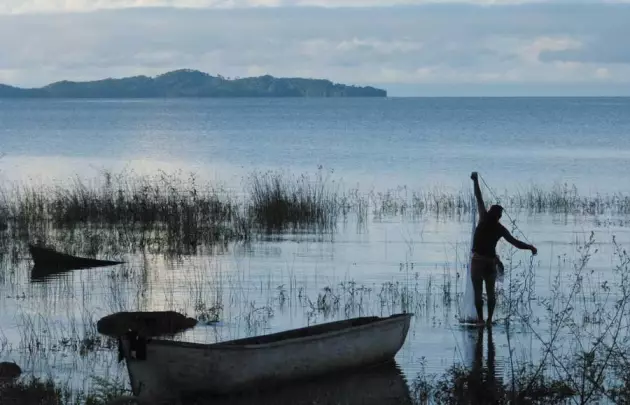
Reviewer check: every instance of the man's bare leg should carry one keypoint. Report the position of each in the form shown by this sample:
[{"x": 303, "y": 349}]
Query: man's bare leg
[
  {"x": 490, "y": 284},
  {"x": 477, "y": 282}
]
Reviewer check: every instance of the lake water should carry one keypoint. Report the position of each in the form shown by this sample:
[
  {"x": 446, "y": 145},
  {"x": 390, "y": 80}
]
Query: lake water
[{"x": 370, "y": 144}]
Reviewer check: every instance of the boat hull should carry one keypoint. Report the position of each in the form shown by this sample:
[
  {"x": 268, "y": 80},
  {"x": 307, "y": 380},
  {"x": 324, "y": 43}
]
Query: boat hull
[{"x": 175, "y": 369}]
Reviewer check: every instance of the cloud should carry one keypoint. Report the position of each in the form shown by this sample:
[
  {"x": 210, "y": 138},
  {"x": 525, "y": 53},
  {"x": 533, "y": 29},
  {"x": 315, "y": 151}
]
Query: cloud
[
  {"x": 35, "y": 6},
  {"x": 39, "y": 6},
  {"x": 432, "y": 44},
  {"x": 603, "y": 49}
]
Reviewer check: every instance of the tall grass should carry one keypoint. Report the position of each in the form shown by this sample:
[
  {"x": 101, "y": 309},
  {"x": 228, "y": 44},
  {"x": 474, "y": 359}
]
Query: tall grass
[
  {"x": 176, "y": 215},
  {"x": 167, "y": 213},
  {"x": 559, "y": 199},
  {"x": 271, "y": 201},
  {"x": 279, "y": 203},
  {"x": 160, "y": 203}
]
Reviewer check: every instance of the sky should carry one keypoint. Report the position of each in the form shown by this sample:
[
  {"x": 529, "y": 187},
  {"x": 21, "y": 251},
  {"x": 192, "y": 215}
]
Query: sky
[{"x": 408, "y": 47}]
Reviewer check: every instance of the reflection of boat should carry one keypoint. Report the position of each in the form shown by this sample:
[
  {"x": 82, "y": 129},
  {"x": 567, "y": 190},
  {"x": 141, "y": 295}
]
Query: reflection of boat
[
  {"x": 168, "y": 369},
  {"x": 44, "y": 274},
  {"x": 47, "y": 259},
  {"x": 382, "y": 384}
]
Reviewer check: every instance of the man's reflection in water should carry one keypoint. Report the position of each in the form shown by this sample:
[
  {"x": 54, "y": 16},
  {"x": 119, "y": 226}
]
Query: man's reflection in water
[{"x": 482, "y": 381}]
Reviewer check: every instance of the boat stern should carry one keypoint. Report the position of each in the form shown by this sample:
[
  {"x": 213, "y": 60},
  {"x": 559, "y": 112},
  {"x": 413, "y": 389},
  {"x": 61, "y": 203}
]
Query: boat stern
[{"x": 144, "y": 378}]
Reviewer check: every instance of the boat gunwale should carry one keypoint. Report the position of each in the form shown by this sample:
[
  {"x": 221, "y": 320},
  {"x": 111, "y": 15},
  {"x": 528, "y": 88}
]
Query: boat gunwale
[{"x": 227, "y": 345}]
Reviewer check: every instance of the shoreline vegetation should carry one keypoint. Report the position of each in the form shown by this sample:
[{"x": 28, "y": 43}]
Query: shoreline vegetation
[
  {"x": 192, "y": 84},
  {"x": 187, "y": 213},
  {"x": 584, "y": 346},
  {"x": 126, "y": 213}
]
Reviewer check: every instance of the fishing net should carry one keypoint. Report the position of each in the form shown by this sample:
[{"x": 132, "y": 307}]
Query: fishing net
[{"x": 467, "y": 312}]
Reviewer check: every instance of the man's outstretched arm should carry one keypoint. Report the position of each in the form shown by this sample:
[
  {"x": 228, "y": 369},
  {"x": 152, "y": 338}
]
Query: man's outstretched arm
[
  {"x": 517, "y": 243},
  {"x": 481, "y": 207}
]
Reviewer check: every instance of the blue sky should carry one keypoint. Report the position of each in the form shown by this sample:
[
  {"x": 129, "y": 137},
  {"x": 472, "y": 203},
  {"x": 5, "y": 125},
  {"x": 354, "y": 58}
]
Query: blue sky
[{"x": 409, "y": 47}]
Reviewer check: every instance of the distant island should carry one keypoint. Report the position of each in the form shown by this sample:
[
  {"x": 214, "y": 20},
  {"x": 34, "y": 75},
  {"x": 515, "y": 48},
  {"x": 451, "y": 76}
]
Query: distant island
[{"x": 192, "y": 83}]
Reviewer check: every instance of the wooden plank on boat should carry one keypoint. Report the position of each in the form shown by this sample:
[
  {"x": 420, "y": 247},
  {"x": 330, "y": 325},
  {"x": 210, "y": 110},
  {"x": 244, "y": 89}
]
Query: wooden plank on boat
[
  {"x": 47, "y": 258},
  {"x": 166, "y": 369},
  {"x": 147, "y": 324},
  {"x": 9, "y": 371}
]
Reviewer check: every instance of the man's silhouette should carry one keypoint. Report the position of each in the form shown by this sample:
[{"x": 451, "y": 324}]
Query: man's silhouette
[{"x": 484, "y": 261}]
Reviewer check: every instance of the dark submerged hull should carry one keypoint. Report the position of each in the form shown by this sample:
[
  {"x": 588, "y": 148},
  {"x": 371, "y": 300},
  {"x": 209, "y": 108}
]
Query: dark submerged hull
[{"x": 49, "y": 260}]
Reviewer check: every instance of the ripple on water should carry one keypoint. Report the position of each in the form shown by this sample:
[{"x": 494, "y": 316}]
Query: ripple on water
[{"x": 48, "y": 325}]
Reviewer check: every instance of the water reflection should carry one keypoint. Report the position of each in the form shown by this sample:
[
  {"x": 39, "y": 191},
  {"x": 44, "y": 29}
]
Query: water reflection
[
  {"x": 42, "y": 274},
  {"x": 483, "y": 380},
  {"x": 260, "y": 287},
  {"x": 379, "y": 385}
]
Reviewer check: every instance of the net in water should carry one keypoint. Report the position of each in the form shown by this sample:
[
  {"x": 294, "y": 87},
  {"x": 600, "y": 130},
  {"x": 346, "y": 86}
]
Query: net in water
[{"x": 467, "y": 312}]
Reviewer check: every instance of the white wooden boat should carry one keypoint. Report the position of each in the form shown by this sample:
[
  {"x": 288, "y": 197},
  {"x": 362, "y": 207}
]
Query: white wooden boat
[{"x": 165, "y": 369}]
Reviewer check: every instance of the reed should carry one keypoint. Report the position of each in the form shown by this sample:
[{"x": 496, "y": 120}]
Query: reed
[
  {"x": 279, "y": 203},
  {"x": 189, "y": 219},
  {"x": 163, "y": 205},
  {"x": 46, "y": 391},
  {"x": 178, "y": 210},
  {"x": 34, "y": 391},
  {"x": 459, "y": 385}
]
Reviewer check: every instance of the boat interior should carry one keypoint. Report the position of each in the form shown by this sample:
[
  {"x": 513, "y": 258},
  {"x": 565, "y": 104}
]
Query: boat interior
[{"x": 294, "y": 333}]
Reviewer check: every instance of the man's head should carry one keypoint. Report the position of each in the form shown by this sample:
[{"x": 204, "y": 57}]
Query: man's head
[{"x": 495, "y": 212}]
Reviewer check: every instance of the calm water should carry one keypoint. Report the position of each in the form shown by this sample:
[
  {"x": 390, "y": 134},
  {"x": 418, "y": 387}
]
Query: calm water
[
  {"x": 373, "y": 144},
  {"x": 414, "y": 142}
]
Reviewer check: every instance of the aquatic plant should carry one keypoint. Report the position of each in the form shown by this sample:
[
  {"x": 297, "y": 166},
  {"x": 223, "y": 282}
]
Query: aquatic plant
[
  {"x": 177, "y": 215},
  {"x": 585, "y": 348},
  {"x": 280, "y": 202}
]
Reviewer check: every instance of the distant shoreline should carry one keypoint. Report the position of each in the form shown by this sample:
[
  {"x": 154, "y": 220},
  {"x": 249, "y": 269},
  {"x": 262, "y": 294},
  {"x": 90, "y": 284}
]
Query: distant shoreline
[{"x": 185, "y": 83}]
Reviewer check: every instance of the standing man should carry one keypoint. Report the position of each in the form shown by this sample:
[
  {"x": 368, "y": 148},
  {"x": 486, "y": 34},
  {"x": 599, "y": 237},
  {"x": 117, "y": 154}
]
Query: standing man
[{"x": 484, "y": 261}]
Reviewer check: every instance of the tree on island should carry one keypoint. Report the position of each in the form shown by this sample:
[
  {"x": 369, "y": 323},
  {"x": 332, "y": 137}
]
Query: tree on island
[{"x": 192, "y": 83}]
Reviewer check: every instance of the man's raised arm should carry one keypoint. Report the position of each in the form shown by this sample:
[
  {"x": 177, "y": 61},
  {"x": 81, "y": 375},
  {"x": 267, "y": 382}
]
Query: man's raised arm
[
  {"x": 481, "y": 208},
  {"x": 517, "y": 243}
]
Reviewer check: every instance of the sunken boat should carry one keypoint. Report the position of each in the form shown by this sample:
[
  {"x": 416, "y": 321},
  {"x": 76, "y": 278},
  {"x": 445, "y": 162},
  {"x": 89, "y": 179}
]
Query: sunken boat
[{"x": 46, "y": 258}]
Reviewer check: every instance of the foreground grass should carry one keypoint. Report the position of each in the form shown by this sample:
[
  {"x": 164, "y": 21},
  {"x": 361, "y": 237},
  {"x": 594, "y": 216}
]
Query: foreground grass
[
  {"x": 35, "y": 391},
  {"x": 459, "y": 385}
]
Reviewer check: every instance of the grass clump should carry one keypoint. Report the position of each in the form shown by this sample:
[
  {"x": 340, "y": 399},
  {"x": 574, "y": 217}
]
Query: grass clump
[
  {"x": 33, "y": 392},
  {"x": 141, "y": 201},
  {"x": 167, "y": 213},
  {"x": 460, "y": 385},
  {"x": 278, "y": 203},
  {"x": 172, "y": 213},
  {"x": 164, "y": 211}
]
